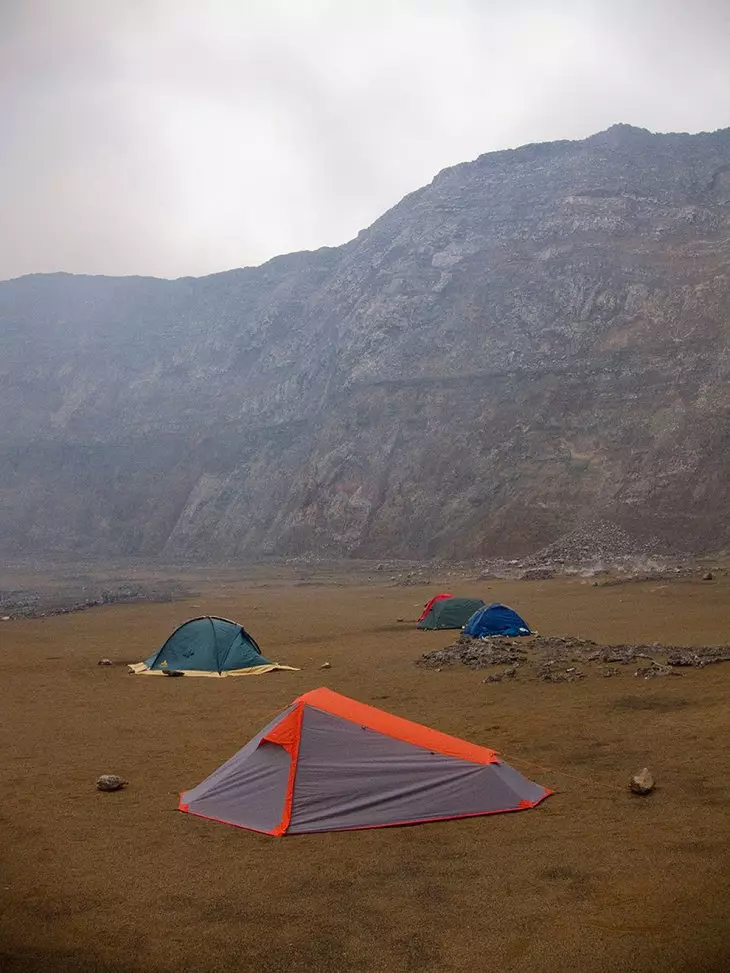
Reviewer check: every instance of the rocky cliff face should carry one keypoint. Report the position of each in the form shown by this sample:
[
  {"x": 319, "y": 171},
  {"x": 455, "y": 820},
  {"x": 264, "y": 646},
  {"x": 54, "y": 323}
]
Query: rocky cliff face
[{"x": 536, "y": 338}]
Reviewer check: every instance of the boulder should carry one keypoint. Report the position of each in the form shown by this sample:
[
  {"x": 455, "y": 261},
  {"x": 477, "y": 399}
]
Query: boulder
[
  {"x": 642, "y": 783},
  {"x": 110, "y": 782}
]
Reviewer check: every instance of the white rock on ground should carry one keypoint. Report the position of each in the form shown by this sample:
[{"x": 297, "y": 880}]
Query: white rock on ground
[
  {"x": 110, "y": 782},
  {"x": 642, "y": 783}
]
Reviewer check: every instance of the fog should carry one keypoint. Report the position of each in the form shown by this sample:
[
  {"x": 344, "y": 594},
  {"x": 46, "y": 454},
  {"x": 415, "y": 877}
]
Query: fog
[{"x": 174, "y": 137}]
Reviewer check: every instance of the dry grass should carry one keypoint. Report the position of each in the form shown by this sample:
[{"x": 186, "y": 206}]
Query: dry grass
[{"x": 593, "y": 880}]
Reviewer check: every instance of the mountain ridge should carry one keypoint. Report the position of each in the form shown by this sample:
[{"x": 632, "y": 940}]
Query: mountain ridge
[
  {"x": 527, "y": 339},
  {"x": 617, "y": 131}
]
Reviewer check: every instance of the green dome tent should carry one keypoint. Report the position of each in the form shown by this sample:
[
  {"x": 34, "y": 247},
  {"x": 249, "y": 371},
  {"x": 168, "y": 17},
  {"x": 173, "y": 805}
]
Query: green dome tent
[
  {"x": 208, "y": 646},
  {"x": 450, "y": 612}
]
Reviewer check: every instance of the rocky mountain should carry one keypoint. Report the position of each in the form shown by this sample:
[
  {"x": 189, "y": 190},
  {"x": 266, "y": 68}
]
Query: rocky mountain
[{"x": 536, "y": 339}]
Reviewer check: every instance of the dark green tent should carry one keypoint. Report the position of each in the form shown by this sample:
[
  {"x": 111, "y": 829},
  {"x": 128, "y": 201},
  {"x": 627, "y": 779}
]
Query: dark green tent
[
  {"x": 450, "y": 612},
  {"x": 208, "y": 646}
]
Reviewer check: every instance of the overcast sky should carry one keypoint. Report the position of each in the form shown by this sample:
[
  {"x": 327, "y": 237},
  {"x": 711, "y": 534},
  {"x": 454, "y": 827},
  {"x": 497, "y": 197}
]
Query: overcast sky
[{"x": 174, "y": 137}]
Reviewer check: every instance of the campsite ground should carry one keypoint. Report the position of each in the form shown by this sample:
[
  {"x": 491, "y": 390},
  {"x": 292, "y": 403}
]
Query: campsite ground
[{"x": 594, "y": 879}]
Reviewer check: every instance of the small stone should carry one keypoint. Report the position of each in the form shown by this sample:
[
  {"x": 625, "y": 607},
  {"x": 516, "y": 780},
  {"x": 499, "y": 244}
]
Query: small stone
[
  {"x": 707, "y": 576},
  {"x": 642, "y": 783},
  {"x": 326, "y": 665},
  {"x": 110, "y": 782},
  {"x": 6, "y": 618},
  {"x": 105, "y": 662},
  {"x": 496, "y": 677}
]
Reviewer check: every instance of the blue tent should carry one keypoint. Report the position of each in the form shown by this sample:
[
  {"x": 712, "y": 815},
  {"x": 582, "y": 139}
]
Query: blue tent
[{"x": 496, "y": 620}]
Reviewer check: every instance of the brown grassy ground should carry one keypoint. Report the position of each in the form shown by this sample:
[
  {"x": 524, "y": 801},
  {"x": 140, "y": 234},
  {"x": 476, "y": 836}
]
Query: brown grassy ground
[{"x": 593, "y": 880}]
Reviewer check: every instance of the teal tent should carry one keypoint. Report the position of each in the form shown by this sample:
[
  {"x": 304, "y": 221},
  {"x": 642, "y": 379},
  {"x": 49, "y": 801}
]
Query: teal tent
[
  {"x": 450, "y": 612},
  {"x": 208, "y": 646}
]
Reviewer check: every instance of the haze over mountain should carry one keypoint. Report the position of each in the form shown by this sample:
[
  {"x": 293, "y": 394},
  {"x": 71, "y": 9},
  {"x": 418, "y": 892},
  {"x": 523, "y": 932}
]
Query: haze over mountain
[
  {"x": 173, "y": 137},
  {"x": 535, "y": 339}
]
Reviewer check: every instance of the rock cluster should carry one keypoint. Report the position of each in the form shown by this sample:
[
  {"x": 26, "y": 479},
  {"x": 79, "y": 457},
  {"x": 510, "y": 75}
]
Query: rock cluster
[
  {"x": 550, "y": 672},
  {"x": 475, "y": 653},
  {"x": 76, "y": 598},
  {"x": 595, "y": 542},
  {"x": 559, "y": 659}
]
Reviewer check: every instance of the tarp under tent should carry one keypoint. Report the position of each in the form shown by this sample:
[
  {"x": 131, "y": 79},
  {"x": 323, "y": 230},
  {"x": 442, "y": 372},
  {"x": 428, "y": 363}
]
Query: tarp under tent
[
  {"x": 450, "y": 613},
  {"x": 429, "y": 604},
  {"x": 208, "y": 646},
  {"x": 496, "y": 620},
  {"x": 329, "y": 763}
]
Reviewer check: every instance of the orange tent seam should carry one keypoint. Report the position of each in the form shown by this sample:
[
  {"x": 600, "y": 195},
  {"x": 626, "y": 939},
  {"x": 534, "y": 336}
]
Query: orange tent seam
[
  {"x": 397, "y": 727},
  {"x": 287, "y": 734}
]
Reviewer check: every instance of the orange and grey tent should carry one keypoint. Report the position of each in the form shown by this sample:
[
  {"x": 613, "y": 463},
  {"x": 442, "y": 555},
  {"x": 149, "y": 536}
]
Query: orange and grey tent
[{"x": 329, "y": 763}]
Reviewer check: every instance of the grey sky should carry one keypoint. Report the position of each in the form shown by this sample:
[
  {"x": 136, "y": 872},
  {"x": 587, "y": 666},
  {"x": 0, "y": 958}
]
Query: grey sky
[{"x": 175, "y": 137}]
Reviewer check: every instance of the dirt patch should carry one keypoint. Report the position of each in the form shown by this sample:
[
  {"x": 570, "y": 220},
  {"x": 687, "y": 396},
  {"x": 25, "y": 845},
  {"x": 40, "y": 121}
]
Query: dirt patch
[
  {"x": 653, "y": 704},
  {"x": 60, "y": 962},
  {"x": 562, "y": 873},
  {"x": 123, "y": 883}
]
